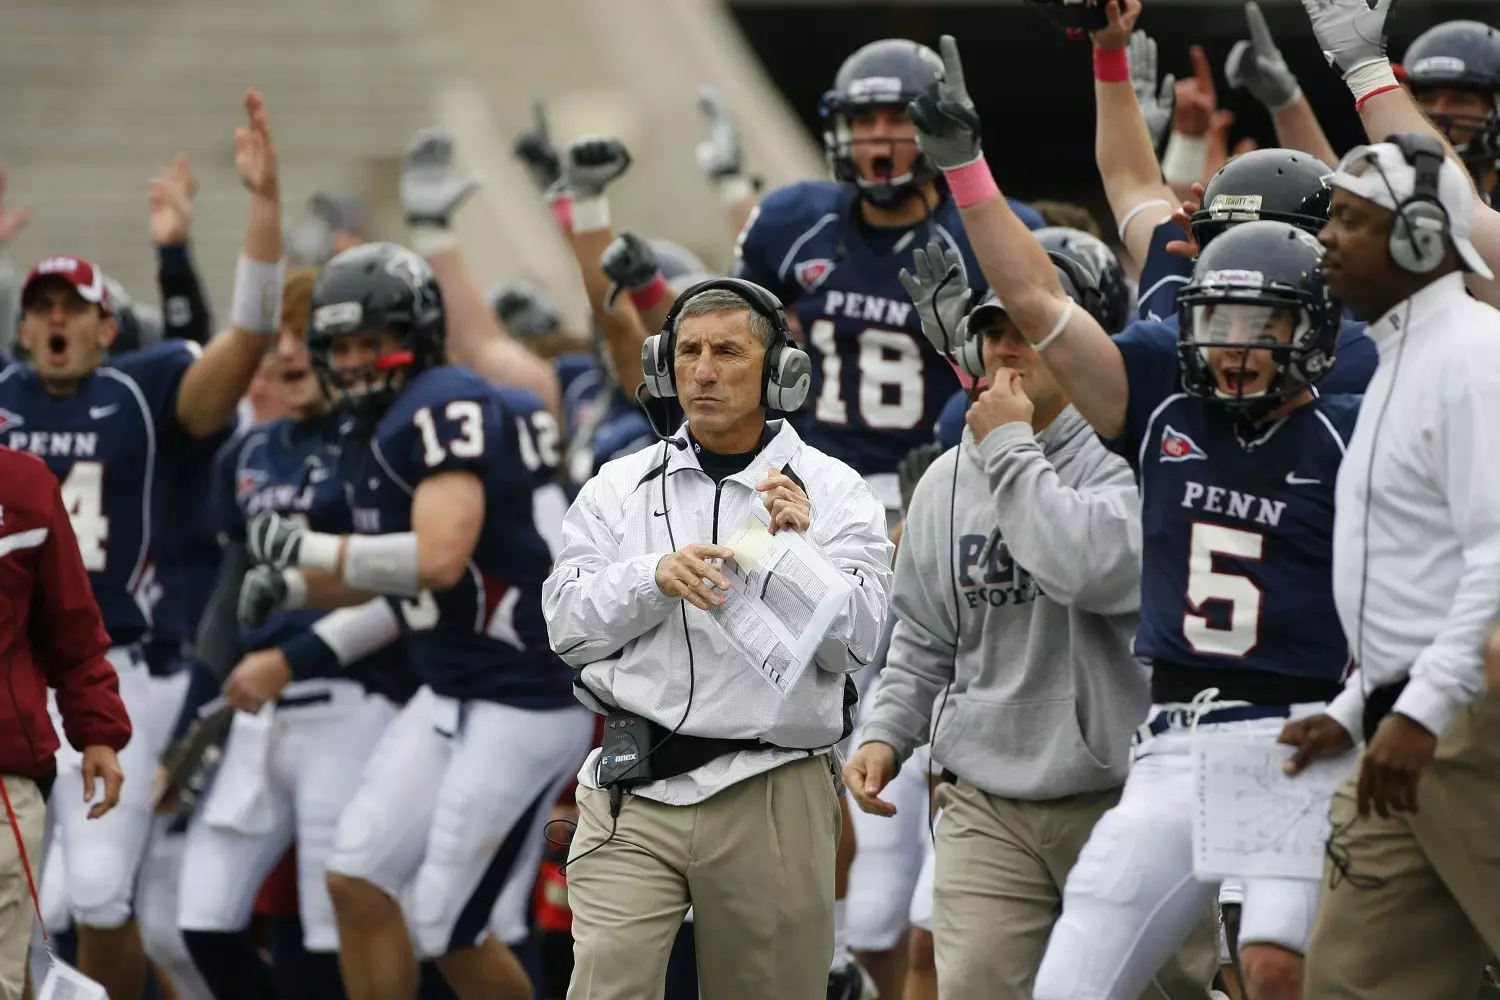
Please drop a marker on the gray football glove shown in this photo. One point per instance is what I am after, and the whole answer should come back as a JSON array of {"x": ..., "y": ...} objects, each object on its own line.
[
  {"x": 630, "y": 263},
  {"x": 947, "y": 124},
  {"x": 941, "y": 295},
  {"x": 1157, "y": 102},
  {"x": 1351, "y": 33},
  {"x": 719, "y": 155},
  {"x": 592, "y": 164},
  {"x": 1256, "y": 65},
  {"x": 263, "y": 592},
  {"x": 536, "y": 152},
  {"x": 274, "y": 541},
  {"x": 430, "y": 189}
]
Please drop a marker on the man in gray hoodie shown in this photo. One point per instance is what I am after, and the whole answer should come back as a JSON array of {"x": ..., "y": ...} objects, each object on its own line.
[{"x": 1016, "y": 593}]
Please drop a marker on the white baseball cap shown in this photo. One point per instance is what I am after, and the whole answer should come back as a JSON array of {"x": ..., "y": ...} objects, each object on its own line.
[{"x": 1380, "y": 173}]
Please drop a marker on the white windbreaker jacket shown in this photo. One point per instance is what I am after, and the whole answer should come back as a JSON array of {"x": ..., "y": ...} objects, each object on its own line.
[{"x": 606, "y": 616}]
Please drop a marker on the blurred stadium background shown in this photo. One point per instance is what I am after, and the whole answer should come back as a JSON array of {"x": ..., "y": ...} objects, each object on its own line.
[{"x": 100, "y": 94}]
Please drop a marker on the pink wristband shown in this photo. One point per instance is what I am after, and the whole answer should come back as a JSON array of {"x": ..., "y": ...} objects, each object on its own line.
[
  {"x": 971, "y": 183},
  {"x": 562, "y": 212},
  {"x": 1111, "y": 65},
  {"x": 649, "y": 296}
]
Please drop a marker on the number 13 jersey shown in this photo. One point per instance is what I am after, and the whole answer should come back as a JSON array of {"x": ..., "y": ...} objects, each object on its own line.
[
  {"x": 1237, "y": 560},
  {"x": 877, "y": 384}
]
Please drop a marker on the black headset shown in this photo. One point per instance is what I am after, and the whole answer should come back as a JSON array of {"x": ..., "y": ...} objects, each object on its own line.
[
  {"x": 1419, "y": 224},
  {"x": 787, "y": 377}
]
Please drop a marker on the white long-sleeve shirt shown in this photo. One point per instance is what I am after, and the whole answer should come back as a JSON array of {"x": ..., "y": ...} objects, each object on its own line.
[
  {"x": 606, "y": 616},
  {"x": 1416, "y": 548}
]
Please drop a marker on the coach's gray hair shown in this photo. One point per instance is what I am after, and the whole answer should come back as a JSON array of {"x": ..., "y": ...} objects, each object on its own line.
[{"x": 723, "y": 300}]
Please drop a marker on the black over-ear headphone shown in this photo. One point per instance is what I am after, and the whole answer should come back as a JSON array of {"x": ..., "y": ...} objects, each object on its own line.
[
  {"x": 787, "y": 377},
  {"x": 1419, "y": 224},
  {"x": 1081, "y": 287}
]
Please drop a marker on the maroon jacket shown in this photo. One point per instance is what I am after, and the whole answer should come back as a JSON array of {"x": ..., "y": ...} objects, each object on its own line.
[{"x": 51, "y": 632}]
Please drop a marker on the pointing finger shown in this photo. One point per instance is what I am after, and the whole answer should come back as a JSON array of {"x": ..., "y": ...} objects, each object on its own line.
[
  {"x": 1260, "y": 32},
  {"x": 539, "y": 117},
  {"x": 953, "y": 67},
  {"x": 1203, "y": 73}
]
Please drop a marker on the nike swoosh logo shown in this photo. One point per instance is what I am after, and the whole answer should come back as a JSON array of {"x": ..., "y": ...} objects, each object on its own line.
[
  {"x": 1292, "y": 479},
  {"x": 658, "y": 513},
  {"x": 100, "y": 412}
]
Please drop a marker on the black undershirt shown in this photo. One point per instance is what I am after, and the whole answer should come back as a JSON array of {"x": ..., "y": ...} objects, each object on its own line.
[
  {"x": 720, "y": 466},
  {"x": 1171, "y": 683}
]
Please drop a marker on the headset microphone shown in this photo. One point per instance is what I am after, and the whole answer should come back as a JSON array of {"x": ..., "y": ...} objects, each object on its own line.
[{"x": 641, "y": 401}]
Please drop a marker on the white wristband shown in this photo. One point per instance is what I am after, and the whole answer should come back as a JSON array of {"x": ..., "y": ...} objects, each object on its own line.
[
  {"x": 256, "y": 306},
  {"x": 590, "y": 214},
  {"x": 296, "y": 590},
  {"x": 354, "y": 633},
  {"x": 319, "y": 551},
  {"x": 1057, "y": 329},
  {"x": 427, "y": 239},
  {"x": 383, "y": 564},
  {"x": 1366, "y": 78},
  {"x": 736, "y": 187},
  {"x": 1185, "y": 159}
]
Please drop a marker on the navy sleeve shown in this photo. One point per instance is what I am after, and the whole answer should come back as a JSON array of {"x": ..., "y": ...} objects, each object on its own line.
[
  {"x": 1162, "y": 274},
  {"x": 309, "y": 656},
  {"x": 158, "y": 370},
  {"x": 1028, "y": 215},
  {"x": 185, "y": 314},
  {"x": 224, "y": 510},
  {"x": 950, "y": 425},
  {"x": 1150, "y": 353},
  {"x": 1353, "y": 365},
  {"x": 759, "y": 249}
]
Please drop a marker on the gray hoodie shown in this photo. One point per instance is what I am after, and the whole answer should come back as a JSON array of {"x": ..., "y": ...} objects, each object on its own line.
[{"x": 1046, "y": 572}]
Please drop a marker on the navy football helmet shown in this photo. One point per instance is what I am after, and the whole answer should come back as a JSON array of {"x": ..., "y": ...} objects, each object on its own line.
[
  {"x": 1461, "y": 55},
  {"x": 1111, "y": 304},
  {"x": 1253, "y": 276},
  {"x": 1280, "y": 185},
  {"x": 890, "y": 73},
  {"x": 367, "y": 289}
]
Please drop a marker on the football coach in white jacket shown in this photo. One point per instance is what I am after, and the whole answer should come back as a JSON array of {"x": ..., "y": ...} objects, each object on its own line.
[
  {"x": 738, "y": 815},
  {"x": 1016, "y": 598}
]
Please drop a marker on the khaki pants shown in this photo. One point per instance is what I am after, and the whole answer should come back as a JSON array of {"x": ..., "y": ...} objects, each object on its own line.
[
  {"x": 1001, "y": 865},
  {"x": 1418, "y": 912},
  {"x": 755, "y": 861},
  {"x": 15, "y": 896}
]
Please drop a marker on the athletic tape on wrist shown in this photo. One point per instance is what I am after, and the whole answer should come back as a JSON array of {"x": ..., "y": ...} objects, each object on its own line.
[
  {"x": 590, "y": 214},
  {"x": 971, "y": 183},
  {"x": 1111, "y": 65},
  {"x": 319, "y": 551},
  {"x": 383, "y": 564},
  {"x": 296, "y": 590},
  {"x": 256, "y": 305},
  {"x": 1185, "y": 159},
  {"x": 428, "y": 238},
  {"x": 354, "y": 633},
  {"x": 736, "y": 187},
  {"x": 1371, "y": 78}
]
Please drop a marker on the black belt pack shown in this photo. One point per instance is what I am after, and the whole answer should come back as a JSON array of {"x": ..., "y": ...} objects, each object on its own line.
[{"x": 637, "y": 751}]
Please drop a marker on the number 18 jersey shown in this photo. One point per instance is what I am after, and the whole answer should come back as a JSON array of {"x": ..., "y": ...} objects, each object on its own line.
[
  {"x": 1237, "y": 561},
  {"x": 877, "y": 384}
]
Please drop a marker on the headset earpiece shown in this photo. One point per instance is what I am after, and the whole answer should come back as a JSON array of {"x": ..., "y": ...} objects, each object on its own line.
[
  {"x": 1418, "y": 237},
  {"x": 970, "y": 355},
  {"x": 787, "y": 376}
]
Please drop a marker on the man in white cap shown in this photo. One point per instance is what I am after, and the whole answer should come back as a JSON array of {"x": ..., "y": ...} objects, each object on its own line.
[{"x": 1412, "y": 876}]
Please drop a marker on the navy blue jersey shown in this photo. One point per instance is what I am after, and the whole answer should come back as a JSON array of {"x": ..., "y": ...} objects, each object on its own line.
[
  {"x": 540, "y": 442},
  {"x": 1238, "y": 535},
  {"x": 1163, "y": 275},
  {"x": 580, "y": 377},
  {"x": 290, "y": 467},
  {"x": 111, "y": 445},
  {"x": 485, "y": 637},
  {"x": 877, "y": 384},
  {"x": 185, "y": 550}
]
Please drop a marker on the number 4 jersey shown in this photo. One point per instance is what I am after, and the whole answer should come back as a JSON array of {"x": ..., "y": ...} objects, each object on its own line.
[
  {"x": 877, "y": 384},
  {"x": 110, "y": 444},
  {"x": 1237, "y": 567},
  {"x": 483, "y": 638}
]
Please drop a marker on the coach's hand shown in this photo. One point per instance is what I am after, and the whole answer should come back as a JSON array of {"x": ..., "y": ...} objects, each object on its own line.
[
  {"x": 688, "y": 574},
  {"x": 257, "y": 679},
  {"x": 868, "y": 772},
  {"x": 1315, "y": 737},
  {"x": 263, "y": 592},
  {"x": 1004, "y": 402},
  {"x": 1393, "y": 764},
  {"x": 788, "y": 504},
  {"x": 274, "y": 541},
  {"x": 101, "y": 764}
]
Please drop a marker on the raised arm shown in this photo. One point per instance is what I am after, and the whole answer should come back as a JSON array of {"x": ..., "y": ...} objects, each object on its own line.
[
  {"x": 1079, "y": 352},
  {"x": 184, "y": 307},
  {"x": 1257, "y": 65},
  {"x": 212, "y": 386}
]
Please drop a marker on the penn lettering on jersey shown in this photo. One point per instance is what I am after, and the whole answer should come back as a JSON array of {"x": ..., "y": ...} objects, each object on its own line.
[
  {"x": 877, "y": 384},
  {"x": 288, "y": 467},
  {"x": 112, "y": 445},
  {"x": 484, "y": 638},
  {"x": 1237, "y": 560}
]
